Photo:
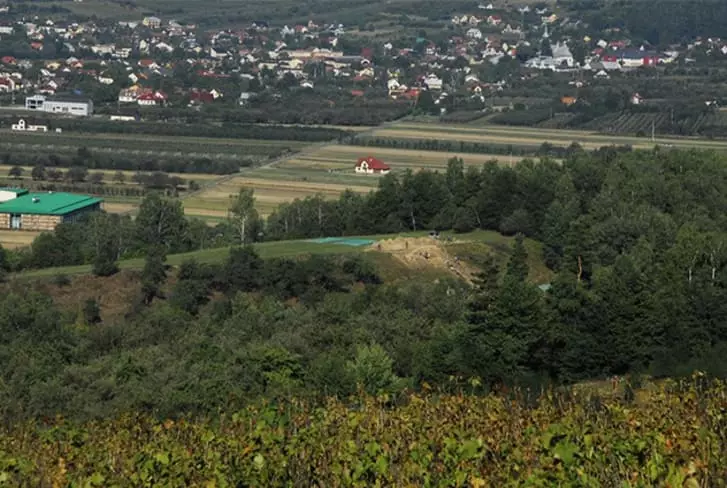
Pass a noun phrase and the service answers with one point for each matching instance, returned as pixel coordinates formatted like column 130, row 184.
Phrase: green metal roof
column 17, row 191
column 50, row 203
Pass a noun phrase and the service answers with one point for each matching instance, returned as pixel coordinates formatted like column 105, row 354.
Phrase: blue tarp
column 346, row 241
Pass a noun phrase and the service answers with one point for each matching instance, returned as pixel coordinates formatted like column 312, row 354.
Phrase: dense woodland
column 637, row 241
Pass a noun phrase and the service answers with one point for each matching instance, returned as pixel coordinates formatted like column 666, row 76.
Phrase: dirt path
column 425, row 252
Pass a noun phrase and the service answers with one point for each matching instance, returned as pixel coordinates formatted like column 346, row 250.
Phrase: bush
column 61, row 280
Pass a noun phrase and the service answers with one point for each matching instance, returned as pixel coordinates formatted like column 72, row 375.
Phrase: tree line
column 444, row 145
column 84, row 157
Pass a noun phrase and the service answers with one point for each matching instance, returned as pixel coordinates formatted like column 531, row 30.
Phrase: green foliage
column 371, row 369
column 154, row 273
column 161, row 221
column 673, row 436
column 517, row 266
column 91, row 312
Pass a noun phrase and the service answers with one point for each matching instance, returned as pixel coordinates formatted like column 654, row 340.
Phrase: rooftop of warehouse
column 49, row 203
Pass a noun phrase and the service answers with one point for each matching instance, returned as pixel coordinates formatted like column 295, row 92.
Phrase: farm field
column 528, row 136
column 325, row 170
column 271, row 189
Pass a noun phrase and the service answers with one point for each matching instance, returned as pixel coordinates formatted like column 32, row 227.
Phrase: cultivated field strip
column 529, row 136
column 269, row 193
column 343, row 157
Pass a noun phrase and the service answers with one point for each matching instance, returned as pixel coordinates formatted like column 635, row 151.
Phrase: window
column 16, row 221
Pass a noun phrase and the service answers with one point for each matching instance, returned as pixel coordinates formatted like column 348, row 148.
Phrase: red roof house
column 371, row 165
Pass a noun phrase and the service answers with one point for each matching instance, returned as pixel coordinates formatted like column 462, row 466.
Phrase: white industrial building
column 68, row 105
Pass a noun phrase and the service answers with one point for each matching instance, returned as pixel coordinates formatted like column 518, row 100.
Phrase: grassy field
column 474, row 243
column 11, row 239
column 534, row 137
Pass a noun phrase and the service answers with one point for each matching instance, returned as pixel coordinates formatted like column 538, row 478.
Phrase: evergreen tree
column 154, row 273
column 517, row 266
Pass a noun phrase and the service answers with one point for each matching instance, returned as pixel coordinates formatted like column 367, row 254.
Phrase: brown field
column 12, row 239
column 115, row 207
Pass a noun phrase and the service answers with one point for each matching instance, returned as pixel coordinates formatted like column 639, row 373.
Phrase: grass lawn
column 477, row 242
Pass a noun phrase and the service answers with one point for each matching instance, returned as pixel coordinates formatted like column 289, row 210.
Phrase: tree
column 154, row 272
column 3, row 264
column 242, row 214
column 243, row 269
column 189, row 295
column 104, row 233
column 54, row 174
column 119, row 177
column 96, row 178
column 77, row 174
column 517, row 266
column 161, row 221
column 372, row 369
column 91, row 312
column 16, row 172
column 486, row 288
column 38, row 172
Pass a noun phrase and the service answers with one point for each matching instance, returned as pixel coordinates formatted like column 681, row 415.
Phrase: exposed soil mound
column 423, row 253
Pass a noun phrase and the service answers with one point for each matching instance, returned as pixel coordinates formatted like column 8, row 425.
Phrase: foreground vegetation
column 675, row 436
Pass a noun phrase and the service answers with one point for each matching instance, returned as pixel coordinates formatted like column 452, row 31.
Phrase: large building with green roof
column 24, row 210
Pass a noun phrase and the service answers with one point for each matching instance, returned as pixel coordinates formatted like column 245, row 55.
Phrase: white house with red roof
column 370, row 165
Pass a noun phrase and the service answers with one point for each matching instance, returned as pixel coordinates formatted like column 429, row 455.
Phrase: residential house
column 433, row 82
column 7, row 84
column 474, row 34
column 370, row 165
column 246, row 97
column 152, row 22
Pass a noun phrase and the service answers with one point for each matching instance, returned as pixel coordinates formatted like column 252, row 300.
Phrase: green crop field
column 533, row 137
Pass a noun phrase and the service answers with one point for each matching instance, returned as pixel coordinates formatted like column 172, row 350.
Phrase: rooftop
column 49, row 203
